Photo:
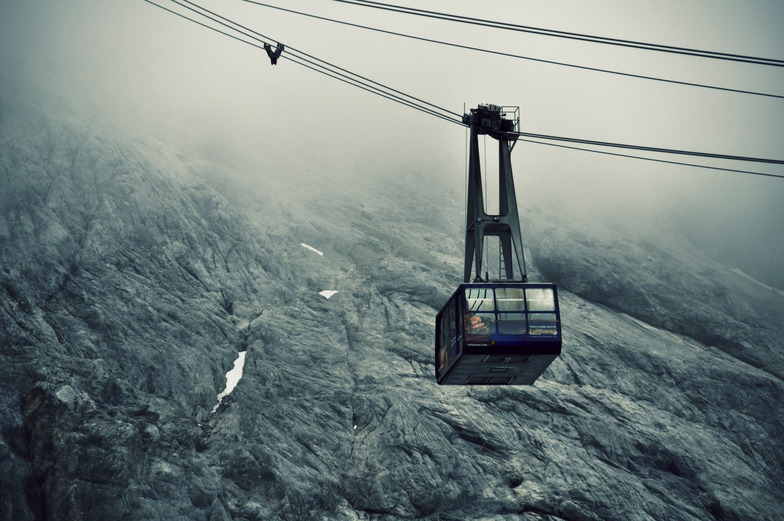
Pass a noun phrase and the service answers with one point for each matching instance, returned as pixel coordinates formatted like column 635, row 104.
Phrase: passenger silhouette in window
column 476, row 326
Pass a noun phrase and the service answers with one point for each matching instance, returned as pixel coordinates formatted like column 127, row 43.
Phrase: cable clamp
column 274, row 55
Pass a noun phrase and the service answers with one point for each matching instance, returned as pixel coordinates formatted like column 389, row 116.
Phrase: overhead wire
column 338, row 72
column 311, row 62
column 371, row 86
column 566, row 34
column 512, row 55
column 317, row 62
column 650, row 149
column 666, row 161
column 202, row 24
column 371, row 90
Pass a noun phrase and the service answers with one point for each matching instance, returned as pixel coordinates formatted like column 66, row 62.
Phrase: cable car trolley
column 504, row 331
column 499, row 333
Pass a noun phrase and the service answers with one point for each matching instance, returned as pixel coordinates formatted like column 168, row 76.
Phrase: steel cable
column 512, row 55
column 566, row 34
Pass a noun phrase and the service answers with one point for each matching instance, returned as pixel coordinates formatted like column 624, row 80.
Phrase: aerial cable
column 215, row 17
column 357, row 80
column 292, row 49
column 347, row 80
column 650, row 149
column 652, row 159
column 512, row 55
column 423, row 102
column 566, row 34
column 204, row 25
column 522, row 135
column 317, row 59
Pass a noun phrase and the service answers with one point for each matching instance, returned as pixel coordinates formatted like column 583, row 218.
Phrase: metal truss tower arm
column 493, row 120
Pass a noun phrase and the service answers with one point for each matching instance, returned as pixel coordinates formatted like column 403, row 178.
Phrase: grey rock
column 131, row 276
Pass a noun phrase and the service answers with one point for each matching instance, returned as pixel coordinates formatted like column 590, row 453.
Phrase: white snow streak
column 232, row 377
column 311, row 248
column 327, row 293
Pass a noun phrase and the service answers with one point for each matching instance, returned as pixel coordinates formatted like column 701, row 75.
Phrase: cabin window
column 479, row 300
column 448, row 348
column 443, row 348
column 510, row 299
column 479, row 326
column 451, row 322
column 511, row 307
column 542, row 324
column 540, row 299
column 511, row 323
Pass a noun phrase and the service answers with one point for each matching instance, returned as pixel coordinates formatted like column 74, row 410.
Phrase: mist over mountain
column 133, row 271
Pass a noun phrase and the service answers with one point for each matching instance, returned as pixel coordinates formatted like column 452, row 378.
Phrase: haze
column 138, row 66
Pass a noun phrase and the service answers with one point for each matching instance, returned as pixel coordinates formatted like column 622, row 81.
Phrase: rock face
column 130, row 278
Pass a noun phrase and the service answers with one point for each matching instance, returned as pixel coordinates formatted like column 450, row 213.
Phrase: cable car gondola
column 508, row 331
column 497, row 333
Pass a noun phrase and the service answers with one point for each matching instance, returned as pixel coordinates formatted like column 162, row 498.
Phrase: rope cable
column 217, row 18
column 512, row 55
column 522, row 136
column 566, row 34
column 651, row 149
column 202, row 24
column 369, row 89
column 446, row 111
column 295, row 50
column 375, row 88
column 604, row 152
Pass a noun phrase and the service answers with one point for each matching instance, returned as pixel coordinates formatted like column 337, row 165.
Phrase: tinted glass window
column 479, row 325
column 479, row 299
column 542, row 324
column 540, row 299
column 450, row 317
column 510, row 299
column 511, row 323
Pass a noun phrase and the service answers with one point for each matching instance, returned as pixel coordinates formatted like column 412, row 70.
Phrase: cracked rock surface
column 131, row 275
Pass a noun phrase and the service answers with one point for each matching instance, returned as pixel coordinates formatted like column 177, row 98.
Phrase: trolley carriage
column 498, row 334
column 505, row 331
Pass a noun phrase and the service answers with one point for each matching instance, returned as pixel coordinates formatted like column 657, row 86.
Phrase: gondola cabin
column 504, row 333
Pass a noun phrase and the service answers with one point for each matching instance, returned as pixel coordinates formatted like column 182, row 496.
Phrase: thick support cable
column 653, row 159
column 417, row 104
column 295, row 50
column 204, row 25
column 316, row 64
column 566, row 34
column 518, row 56
column 651, row 149
column 345, row 79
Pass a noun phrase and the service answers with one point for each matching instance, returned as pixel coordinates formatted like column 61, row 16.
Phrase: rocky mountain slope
column 132, row 274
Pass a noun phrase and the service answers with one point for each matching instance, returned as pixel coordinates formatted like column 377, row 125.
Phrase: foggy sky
column 135, row 64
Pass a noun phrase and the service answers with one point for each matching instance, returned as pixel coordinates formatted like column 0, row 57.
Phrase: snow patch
column 311, row 248
column 327, row 293
column 232, row 377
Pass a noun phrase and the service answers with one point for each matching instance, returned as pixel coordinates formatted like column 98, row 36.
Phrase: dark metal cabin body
column 504, row 333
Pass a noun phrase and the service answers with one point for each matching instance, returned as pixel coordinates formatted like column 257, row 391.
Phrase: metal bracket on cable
column 274, row 55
